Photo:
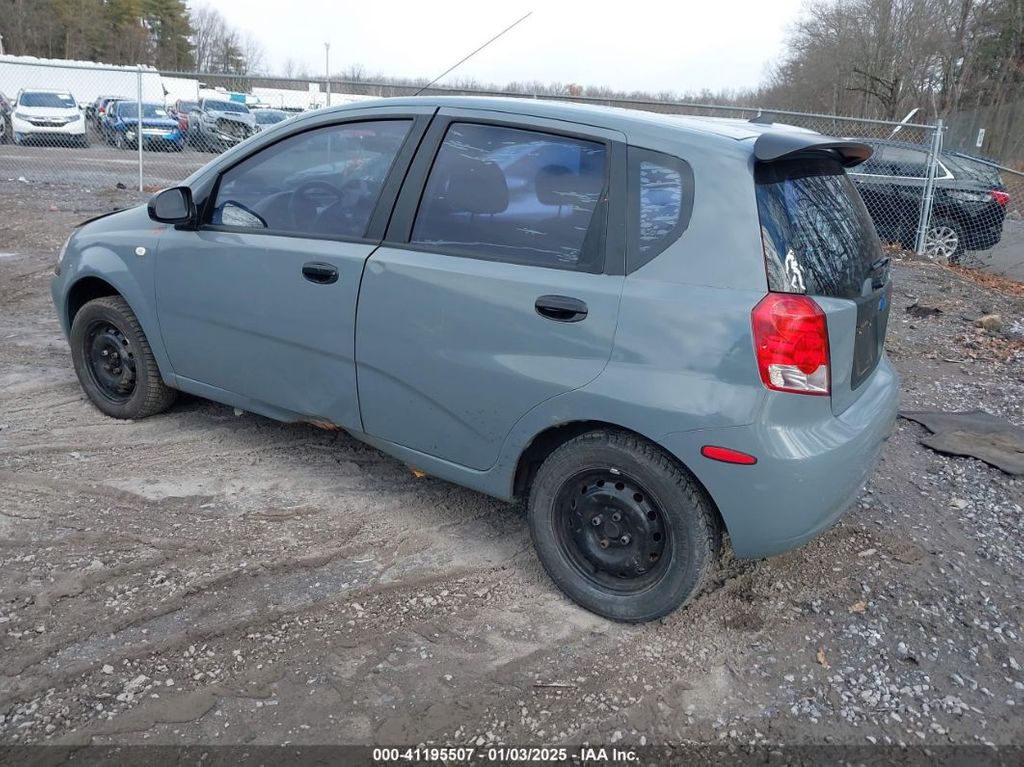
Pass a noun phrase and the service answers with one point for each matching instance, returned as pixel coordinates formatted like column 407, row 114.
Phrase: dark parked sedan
column 967, row 209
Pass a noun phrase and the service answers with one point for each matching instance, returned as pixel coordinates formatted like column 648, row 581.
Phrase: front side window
column 515, row 195
column 324, row 182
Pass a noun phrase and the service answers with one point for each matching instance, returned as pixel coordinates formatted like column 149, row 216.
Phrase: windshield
column 226, row 106
column 51, row 100
column 268, row 116
column 818, row 237
column 129, row 109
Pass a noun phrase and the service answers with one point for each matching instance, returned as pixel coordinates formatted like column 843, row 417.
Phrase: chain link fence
column 928, row 189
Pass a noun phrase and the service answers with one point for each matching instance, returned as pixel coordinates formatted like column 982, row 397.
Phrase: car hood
column 47, row 111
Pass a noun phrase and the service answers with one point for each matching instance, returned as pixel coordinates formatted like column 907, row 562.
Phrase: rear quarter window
column 817, row 235
column 660, row 203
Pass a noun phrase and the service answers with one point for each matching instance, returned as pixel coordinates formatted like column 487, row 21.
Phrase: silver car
column 652, row 329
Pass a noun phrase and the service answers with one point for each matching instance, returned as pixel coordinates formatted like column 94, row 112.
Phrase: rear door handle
column 561, row 308
column 322, row 274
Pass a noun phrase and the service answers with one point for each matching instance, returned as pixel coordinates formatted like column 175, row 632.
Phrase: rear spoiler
column 781, row 145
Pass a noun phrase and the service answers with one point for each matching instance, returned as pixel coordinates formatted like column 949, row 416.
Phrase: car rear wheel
column 114, row 362
column 944, row 239
column 621, row 527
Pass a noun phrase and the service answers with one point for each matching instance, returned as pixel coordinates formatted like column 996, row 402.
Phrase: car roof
column 46, row 90
column 608, row 117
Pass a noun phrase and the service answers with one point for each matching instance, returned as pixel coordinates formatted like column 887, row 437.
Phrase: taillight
column 1001, row 197
column 791, row 339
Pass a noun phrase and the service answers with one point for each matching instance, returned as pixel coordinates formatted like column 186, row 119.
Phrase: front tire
column 114, row 362
column 621, row 527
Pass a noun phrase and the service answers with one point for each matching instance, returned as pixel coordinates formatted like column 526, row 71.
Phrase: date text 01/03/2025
column 503, row 754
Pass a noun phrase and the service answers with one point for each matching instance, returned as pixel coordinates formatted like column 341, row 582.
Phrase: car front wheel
column 114, row 362
column 621, row 527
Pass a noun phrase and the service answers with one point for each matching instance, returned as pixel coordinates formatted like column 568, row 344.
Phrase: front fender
column 125, row 260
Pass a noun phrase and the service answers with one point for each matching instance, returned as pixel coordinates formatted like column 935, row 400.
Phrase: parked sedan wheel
column 114, row 362
column 119, row 141
column 621, row 528
column 944, row 239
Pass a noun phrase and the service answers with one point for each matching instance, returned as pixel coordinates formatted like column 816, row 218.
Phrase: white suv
column 50, row 116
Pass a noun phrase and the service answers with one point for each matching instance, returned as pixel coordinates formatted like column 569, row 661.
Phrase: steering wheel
column 305, row 206
column 351, row 213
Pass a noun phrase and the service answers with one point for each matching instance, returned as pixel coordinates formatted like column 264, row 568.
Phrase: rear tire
column 114, row 362
column 621, row 527
column 945, row 238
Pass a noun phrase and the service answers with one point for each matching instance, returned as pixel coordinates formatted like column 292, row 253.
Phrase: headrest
column 557, row 185
column 477, row 186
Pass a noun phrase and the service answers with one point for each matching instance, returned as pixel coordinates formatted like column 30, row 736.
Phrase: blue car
column 159, row 129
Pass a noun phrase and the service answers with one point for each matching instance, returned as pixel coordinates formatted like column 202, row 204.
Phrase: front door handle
column 561, row 308
column 321, row 274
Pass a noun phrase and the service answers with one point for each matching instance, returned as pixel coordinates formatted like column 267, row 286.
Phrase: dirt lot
column 209, row 577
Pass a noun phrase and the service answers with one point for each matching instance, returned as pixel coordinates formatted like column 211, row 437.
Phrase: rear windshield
column 818, row 237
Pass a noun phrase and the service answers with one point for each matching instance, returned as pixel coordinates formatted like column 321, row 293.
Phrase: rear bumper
column 811, row 465
column 983, row 237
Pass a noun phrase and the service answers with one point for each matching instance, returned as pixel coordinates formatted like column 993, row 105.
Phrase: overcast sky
column 681, row 46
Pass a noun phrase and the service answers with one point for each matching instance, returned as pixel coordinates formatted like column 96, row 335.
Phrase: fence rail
column 943, row 202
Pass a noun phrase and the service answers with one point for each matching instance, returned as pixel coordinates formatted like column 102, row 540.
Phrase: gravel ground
column 205, row 577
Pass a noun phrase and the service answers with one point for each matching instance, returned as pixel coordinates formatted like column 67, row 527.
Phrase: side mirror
column 173, row 206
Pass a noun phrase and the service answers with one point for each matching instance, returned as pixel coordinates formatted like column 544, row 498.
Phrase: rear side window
column 660, row 203
column 516, row 195
column 818, row 237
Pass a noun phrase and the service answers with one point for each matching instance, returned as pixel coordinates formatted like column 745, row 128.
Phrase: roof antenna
column 474, row 53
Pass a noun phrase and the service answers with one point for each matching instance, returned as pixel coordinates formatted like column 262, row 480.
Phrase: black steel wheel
column 621, row 527
column 110, row 360
column 114, row 362
column 612, row 530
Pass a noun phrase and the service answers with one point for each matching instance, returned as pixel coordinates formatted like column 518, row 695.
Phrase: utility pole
column 1, row 45
column 327, row 70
